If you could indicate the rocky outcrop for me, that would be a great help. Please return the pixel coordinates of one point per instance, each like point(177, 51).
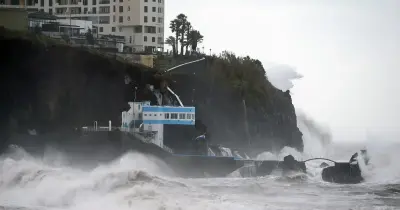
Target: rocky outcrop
point(272, 122)
point(57, 88)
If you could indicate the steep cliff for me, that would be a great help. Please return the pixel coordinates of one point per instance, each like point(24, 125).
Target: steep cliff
point(238, 104)
point(50, 88)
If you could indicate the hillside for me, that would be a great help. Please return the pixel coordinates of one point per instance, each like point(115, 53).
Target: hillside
point(52, 87)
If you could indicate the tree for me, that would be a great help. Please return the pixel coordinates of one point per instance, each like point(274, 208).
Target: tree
point(89, 37)
point(37, 29)
point(171, 41)
point(187, 32)
point(194, 38)
point(175, 25)
point(182, 19)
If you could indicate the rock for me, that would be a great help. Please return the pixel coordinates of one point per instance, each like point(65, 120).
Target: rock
point(342, 173)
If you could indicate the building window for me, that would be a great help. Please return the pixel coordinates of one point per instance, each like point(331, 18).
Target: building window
point(182, 116)
point(94, 10)
point(145, 9)
point(121, 19)
point(159, 1)
point(153, 39)
point(154, 0)
point(145, 19)
point(166, 116)
point(101, 29)
point(104, 10)
point(121, 9)
point(145, 38)
point(129, 8)
point(129, 18)
point(114, 8)
point(145, 0)
point(193, 116)
point(121, 1)
point(153, 19)
point(160, 20)
point(51, 3)
point(93, 2)
point(189, 116)
point(120, 29)
point(153, 9)
point(113, 29)
point(174, 116)
point(130, 39)
point(113, 18)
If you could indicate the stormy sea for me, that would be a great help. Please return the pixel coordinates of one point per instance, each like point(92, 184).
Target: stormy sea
point(142, 182)
point(137, 181)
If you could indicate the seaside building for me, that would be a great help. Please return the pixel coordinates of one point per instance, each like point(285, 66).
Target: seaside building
point(140, 22)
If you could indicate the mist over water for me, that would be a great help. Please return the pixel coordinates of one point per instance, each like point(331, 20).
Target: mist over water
point(137, 181)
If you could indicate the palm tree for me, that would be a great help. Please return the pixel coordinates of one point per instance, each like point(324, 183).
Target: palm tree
point(172, 42)
point(187, 32)
point(194, 38)
point(182, 19)
point(174, 26)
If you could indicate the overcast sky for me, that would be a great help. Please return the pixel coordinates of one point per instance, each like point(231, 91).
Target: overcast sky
point(348, 52)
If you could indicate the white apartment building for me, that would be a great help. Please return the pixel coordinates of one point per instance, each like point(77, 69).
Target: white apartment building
point(140, 22)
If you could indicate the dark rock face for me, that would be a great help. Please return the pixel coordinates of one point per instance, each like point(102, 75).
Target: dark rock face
point(61, 88)
point(271, 127)
point(343, 173)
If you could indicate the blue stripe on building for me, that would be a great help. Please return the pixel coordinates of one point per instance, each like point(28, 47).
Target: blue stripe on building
point(169, 122)
point(168, 109)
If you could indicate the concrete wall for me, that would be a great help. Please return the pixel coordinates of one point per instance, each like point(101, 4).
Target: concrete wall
point(14, 19)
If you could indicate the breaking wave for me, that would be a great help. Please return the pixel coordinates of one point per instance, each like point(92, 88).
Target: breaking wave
point(30, 182)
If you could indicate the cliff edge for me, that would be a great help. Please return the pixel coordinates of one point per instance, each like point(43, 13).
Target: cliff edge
point(51, 87)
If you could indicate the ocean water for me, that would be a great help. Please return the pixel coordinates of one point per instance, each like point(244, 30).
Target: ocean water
point(136, 181)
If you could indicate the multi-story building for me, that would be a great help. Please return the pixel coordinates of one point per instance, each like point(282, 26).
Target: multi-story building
point(141, 22)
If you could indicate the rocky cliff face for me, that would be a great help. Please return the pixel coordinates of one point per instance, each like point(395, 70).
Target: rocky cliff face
point(57, 88)
point(272, 122)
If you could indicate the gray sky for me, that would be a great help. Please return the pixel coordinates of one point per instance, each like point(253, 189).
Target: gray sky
point(347, 50)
